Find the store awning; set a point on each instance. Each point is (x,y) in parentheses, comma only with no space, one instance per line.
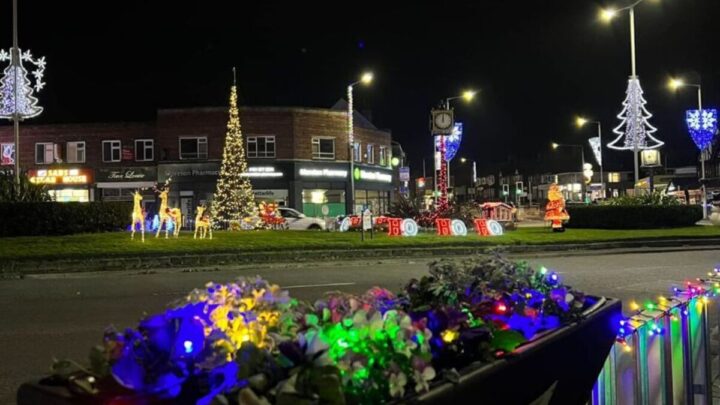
(128,184)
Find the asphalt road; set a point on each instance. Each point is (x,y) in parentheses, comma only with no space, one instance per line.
(64,315)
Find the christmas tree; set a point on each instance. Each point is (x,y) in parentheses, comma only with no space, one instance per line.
(233,199)
(634,126)
(26,105)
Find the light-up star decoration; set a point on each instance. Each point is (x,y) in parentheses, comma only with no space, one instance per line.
(452,142)
(26,105)
(702,125)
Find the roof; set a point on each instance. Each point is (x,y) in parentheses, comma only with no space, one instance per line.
(358,119)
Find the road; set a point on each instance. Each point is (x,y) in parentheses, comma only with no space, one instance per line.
(43,316)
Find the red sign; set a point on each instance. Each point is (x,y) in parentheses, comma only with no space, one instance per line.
(394,226)
(481,227)
(443,226)
(128,153)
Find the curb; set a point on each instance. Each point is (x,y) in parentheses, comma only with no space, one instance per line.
(16,269)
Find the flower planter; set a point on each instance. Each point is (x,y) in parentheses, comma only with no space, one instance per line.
(559,367)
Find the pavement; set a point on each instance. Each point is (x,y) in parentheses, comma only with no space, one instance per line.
(63,315)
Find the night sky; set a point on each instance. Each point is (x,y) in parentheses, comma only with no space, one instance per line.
(537,64)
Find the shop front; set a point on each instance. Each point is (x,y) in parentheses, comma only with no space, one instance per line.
(373,186)
(191,185)
(71,184)
(270,182)
(119,184)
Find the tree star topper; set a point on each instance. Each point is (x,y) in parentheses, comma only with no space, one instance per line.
(26,104)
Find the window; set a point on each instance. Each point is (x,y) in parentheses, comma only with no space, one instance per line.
(261,146)
(111,151)
(75,152)
(383,156)
(370,153)
(144,150)
(44,153)
(193,148)
(357,156)
(323,148)
(613,177)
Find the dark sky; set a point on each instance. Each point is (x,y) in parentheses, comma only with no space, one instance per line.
(537,64)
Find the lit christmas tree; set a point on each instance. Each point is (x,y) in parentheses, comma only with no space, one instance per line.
(233,199)
(634,126)
(26,105)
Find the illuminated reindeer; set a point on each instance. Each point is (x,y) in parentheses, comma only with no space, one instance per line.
(203,223)
(168,215)
(138,216)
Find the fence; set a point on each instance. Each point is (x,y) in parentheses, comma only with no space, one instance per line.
(662,353)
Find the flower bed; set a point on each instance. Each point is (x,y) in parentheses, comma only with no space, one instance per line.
(249,342)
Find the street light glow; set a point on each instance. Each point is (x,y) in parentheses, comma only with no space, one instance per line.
(555,145)
(367,78)
(468,95)
(608,14)
(674,83)
(463,160)
(580,121)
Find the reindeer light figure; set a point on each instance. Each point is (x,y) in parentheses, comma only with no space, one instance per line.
(203,223)
(167,215)
(138,216)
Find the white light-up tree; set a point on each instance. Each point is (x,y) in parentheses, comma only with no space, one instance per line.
(634,129)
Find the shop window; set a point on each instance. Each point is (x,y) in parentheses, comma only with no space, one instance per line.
(144,150)
(70,195)
(357,156)
(613,177)
(75,152)
(323,148)
(383,156)
(111,151)
(261,146)
(370,153)
(45,153)
(193,148)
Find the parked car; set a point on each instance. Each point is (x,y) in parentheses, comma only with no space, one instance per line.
(298,220)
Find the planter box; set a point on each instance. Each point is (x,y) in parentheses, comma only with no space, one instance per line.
(559,367)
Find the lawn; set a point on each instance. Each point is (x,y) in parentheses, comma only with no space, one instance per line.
(119,244)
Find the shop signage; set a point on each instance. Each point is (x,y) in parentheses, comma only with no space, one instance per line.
(372,175)
(7,154)
(179,171)
(335,173)
(262,171)
(59,176)
(275,195)
(127,174)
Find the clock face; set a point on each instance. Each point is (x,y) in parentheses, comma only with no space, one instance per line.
(443,120)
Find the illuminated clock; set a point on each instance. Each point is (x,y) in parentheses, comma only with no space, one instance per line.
(442,122)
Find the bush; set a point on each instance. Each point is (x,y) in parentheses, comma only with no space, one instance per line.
(656,198)
(633,216)
(54,218)
(25,191)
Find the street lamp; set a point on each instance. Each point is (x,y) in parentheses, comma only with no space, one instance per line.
(556,146)
(607,15)
(580,122)
(365,79)
(675,84)
(467,96)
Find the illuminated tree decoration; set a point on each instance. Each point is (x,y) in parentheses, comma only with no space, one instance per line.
(233,199)
(26,105)
(595,145)
(702,125)
(452,142)
(634,126)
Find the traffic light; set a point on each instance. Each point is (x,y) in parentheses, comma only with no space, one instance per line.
(518,187)
(506,189)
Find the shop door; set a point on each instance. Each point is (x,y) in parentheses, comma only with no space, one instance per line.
(186,204)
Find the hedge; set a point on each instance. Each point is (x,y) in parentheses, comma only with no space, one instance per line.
(56,218)
(633,217)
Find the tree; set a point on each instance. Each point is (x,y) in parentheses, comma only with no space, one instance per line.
(634,125)
(26,105)
(233,199)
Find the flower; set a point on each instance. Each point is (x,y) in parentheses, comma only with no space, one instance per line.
(423,378)
(397,384)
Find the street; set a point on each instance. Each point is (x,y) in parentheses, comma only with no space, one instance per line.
(64,315)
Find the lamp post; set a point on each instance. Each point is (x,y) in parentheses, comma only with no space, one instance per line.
(607,15)
(580,122)
(555,146)
(675,84)
(468,96)
(366,78)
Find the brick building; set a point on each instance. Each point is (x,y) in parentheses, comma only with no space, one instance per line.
(296,156)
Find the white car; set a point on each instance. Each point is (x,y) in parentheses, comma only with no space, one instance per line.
(298,221)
